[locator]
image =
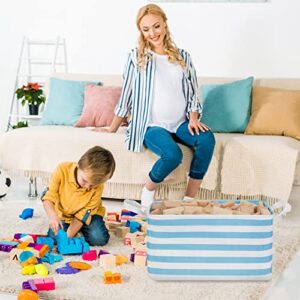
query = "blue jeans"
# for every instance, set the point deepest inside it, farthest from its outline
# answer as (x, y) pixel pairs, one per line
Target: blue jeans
(164, 144)
(96, 234)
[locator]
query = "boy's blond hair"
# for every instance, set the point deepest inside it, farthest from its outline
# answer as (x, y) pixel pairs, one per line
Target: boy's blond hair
(99, 163)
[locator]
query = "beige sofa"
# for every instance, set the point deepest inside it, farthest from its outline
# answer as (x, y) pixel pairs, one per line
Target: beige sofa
(244, 166)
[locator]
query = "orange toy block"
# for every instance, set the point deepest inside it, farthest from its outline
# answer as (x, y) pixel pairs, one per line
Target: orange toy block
(44, 250)
(121, 259)
(23, 245)
(112, 278)
(79, 265)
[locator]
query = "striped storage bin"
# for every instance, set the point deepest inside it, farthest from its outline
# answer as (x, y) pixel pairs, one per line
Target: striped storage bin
(210, 247)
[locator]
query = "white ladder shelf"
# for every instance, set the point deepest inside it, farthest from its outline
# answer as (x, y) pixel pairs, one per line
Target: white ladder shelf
(27, 72)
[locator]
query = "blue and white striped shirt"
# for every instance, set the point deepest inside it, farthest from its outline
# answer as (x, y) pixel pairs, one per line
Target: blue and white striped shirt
(137, 91)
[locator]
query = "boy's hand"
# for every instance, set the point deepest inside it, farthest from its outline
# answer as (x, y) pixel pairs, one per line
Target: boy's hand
(55, 223)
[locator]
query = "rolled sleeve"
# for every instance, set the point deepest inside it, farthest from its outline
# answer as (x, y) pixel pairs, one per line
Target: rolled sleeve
(123, 107)
(194, 104)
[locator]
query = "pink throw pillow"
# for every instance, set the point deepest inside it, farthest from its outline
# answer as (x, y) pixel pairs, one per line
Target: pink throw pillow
(99, 105)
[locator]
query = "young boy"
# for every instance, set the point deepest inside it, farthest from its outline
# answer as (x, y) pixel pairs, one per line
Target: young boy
(73, 199)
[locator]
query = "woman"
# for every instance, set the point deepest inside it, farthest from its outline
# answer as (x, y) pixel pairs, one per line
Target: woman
(160, 91)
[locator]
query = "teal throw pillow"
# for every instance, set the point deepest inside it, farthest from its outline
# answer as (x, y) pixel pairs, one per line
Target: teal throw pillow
(65, 103)
(226, 107)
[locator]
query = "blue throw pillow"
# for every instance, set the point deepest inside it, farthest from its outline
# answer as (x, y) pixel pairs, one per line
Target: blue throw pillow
(65, 103)
(226, 107)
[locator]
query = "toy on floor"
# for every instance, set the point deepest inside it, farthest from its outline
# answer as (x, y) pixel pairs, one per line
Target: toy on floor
(67, 245)
(51, 258)
(66, 270)
(112, 278)
(5, 183)
(26, 213)
(79, 265)
(39, 284)
(90, 255)
(27, 295)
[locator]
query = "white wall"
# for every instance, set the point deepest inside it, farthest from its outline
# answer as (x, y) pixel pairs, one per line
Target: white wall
(225, 39)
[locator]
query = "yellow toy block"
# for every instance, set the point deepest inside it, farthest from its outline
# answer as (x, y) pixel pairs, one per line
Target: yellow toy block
(121, 259)
(41, 269)
(112, 278)
(28, 270)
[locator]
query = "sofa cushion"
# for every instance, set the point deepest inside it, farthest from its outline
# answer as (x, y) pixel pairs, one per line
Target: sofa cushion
(99, 105)
(65, 102)
(226, 107)
(275, 112)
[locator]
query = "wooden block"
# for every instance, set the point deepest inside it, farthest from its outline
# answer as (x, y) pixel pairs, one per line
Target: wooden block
(14, 254)
(221, 211)
(189, 203)
(173, 211)
(171, 203)
(107, 261)
(122, 231)
(202, 203)
(140, 258)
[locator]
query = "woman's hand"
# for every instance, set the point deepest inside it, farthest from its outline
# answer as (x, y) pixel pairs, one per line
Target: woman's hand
(195, 125)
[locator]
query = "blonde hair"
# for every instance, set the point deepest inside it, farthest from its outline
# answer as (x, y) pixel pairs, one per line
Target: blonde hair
(171, 49)
(99, 163)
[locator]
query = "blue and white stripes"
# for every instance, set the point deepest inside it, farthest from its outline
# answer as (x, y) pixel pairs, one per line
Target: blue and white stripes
(136, 96)
(210, 247)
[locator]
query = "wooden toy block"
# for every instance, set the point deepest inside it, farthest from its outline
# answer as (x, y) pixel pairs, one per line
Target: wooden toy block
(122, 231)
(113, 216)
(141, 247)
(221, 211)
(127, 239)
(171, 203)
(107, 261)
(140, 258)
(15, 253)
(173, 211)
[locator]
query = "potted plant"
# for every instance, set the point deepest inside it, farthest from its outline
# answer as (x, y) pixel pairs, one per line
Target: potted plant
(33, 95)
(20, 124)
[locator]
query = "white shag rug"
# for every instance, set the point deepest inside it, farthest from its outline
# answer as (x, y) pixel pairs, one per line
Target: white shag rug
(136, 283)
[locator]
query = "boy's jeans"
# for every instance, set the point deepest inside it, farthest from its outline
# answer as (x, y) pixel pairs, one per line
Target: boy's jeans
(164, 144)
(96, 234)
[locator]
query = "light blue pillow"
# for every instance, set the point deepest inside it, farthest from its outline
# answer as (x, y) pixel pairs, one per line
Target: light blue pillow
(226, 107)
(65, 103)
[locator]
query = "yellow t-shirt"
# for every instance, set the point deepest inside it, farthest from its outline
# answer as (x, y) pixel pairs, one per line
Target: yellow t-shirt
(69, 199)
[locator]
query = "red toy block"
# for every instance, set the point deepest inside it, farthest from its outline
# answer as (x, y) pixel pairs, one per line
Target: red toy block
(112, 216)
(90, 255)
(44, 284)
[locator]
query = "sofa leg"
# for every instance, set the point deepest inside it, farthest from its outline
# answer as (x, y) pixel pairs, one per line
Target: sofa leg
(32, 192)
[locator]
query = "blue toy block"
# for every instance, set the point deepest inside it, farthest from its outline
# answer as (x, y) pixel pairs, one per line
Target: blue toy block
(25, 255)
(67, 245)
(26, 213)
(46, 240)
(133, 225)
(51, 258)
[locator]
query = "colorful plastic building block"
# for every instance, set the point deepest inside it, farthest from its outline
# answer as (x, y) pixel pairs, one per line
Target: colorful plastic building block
(28, 270)
(121, 259)
(102, 252)
(112, 278)
(44, 284)
(79, 265)
(7, 246)
(90, 255)
(51, 258)
(67, 245)
(41, 269)
(17, 236)
(67, 270)
(28, 295)
(133, 225)
(26, 213)
(29, 285)
(25, 255)
(46, 241)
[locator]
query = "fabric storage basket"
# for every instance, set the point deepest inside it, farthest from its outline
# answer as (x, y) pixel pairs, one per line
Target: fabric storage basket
(210, 247)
